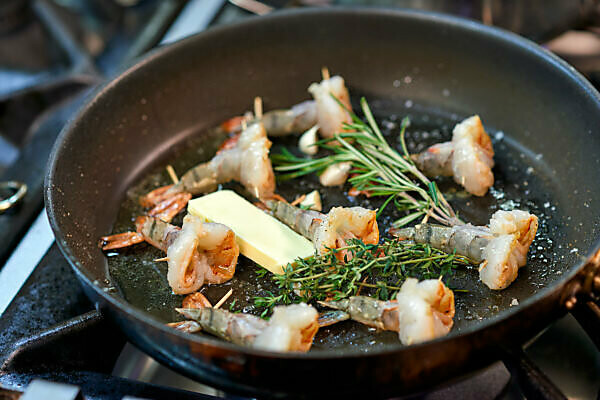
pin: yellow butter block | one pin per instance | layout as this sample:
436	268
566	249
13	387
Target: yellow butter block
261	237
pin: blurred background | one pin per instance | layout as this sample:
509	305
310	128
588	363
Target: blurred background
54	52
52	49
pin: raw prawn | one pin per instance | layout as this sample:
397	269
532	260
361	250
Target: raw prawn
290	328
297	119
500	248
421	311
197	253
331	230
246	161
324	111
469	157
330	116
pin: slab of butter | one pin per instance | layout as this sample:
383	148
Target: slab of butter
261	238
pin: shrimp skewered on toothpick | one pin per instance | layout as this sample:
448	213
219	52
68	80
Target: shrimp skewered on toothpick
282	122
290	328
245	159
500	248
330	116
324	111
331	230
422	311
469	157
197	253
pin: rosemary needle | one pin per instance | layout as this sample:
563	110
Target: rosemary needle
377	168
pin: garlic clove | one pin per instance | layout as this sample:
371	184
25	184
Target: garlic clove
307	141
312	201
336	174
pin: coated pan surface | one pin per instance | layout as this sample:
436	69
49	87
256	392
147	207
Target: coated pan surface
538	107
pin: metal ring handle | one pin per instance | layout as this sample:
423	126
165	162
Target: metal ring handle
20	191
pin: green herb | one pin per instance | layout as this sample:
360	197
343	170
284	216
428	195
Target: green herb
379	269
232	305
377	168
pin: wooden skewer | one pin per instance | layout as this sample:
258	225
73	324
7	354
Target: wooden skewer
161	259
223	299
298	200
172	174
360	287
325	73
258	111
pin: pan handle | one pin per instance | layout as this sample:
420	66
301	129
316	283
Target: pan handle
581	297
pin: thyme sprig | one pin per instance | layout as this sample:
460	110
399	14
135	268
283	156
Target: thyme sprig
377	168
376	269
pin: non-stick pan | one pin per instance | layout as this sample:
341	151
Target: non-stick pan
541	112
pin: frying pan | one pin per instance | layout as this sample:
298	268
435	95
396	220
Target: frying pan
542	106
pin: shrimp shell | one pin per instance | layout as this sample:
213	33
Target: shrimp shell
297	119
237	328
291	328
436	160
466	240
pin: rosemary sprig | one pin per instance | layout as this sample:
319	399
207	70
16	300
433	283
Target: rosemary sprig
379	269
377	168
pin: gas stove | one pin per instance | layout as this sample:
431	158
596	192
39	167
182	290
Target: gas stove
51	339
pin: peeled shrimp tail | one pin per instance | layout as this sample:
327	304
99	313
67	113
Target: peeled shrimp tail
297	119
158	233
436	160
239	328
466	240
305	222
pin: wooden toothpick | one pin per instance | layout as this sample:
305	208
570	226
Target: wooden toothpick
258	111
172	174
223	299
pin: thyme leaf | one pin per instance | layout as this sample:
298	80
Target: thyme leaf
377	270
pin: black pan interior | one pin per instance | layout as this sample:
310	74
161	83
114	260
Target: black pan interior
547	117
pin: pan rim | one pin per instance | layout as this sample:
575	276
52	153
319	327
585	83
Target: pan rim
462	24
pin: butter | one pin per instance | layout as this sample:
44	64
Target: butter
261	237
